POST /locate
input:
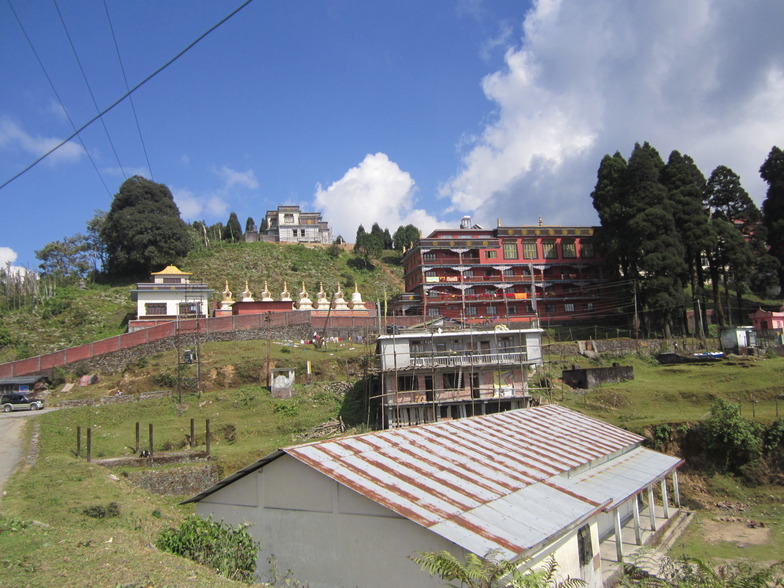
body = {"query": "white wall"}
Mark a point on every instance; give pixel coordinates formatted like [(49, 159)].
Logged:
[(328, 535)]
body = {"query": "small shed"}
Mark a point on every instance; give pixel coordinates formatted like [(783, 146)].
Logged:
[(282, 382), (31, 384), (738, 340)]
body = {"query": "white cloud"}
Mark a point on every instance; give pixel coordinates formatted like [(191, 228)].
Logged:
[(376, 190), (12, 135), (210, 208), (7, 257), (703, 77), (233, 178)]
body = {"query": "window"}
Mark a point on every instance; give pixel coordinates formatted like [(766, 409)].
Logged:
[(491, 255), (530, 250), (451, 380), (509, 273), (568, 307), (470, 291), (586, 249), (430, 274), (584, 545), (569, 249), (433, 312), (407, 383), (429, 256), (589, 306), (172, 280), (468, 274), (471, 311), (288, 219), (510, 250), (504, 342), (548, 249), (188, 308), (512, 309), (492, 310), (549, 307), (152, 308)]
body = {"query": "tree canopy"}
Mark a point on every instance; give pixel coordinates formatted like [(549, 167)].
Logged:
[(143, 230)]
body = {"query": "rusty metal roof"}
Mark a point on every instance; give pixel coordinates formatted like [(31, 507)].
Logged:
[(481, 482), (509, 481)]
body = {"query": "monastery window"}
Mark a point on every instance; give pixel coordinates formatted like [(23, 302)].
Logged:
[(491, 254), (584, 545), (471, 311), (549, 250), (288, 219), (430, 274), (550, 307), (470, 292), (586, 250), (569, 249), (530, 250), (589, 306), (188, 308), (504, 342), (569, 307), (429, 256), (509, 273), (468, 274), (510, 250), (407, 383), (433, 312), (492, 310), (152, 308), (512, 309), (172, 280)]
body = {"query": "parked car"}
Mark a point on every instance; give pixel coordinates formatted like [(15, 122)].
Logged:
[(11, 402)]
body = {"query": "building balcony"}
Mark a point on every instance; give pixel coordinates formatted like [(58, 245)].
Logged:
[(462, 359)]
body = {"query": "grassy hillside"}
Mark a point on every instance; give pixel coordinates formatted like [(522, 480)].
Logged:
[(74, 316)]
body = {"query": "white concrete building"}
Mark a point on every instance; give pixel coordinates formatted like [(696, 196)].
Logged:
[(524, 484), (169, 296), (288, 224), (429, 376)]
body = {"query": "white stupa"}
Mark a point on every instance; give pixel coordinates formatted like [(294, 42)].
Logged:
[(304, 301), (266, 296), (356, 299), (338, 303), (321, 298), (226, 300), (285, 296), (247, 295)]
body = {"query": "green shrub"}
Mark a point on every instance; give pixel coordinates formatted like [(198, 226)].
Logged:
[(230, 551), (99, 511), (165, 379)]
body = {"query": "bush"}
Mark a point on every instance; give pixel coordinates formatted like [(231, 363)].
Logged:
[(99, 511), (231, 552)]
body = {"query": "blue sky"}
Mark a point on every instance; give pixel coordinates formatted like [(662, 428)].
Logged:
[(385, 111)]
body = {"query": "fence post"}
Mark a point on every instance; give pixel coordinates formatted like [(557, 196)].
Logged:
[(151, 438), (207, 433), (89, 444), (137, 438), (78, 442), (193, 433)]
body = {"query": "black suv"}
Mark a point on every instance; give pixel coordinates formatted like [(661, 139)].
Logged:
[(19, 401)]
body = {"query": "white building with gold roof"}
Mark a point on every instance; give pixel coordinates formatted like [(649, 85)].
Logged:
[(170, 295)]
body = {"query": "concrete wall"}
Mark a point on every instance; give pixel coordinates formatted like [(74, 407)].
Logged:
[(592, 377), (327, 535)]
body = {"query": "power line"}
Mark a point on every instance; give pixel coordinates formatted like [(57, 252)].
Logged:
[(127, 87), (59, 100), (89, 88), (124, 96)]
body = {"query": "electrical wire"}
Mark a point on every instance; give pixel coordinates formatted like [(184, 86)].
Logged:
[(126, 95), (89, 88), (59, 101), (127, 87)]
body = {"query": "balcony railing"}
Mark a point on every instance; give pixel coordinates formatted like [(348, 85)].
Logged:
[(467, 359)]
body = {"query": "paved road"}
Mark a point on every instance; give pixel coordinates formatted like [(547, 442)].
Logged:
[(10, 446)]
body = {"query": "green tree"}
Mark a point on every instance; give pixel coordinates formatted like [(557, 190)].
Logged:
[(250, 225), (490, 571), (95, 245), (772, 171), (727, 199), (232, 232), (731, 440), (405, 236), (368, 245), (610, 202), (66, 259), (143, 229)]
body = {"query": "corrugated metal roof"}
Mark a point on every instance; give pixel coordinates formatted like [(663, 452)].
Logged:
[(466, 478), (490, 482)]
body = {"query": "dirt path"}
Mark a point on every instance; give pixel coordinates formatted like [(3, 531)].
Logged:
[(10, 447)]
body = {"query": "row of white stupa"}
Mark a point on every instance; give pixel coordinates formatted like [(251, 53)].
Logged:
[(303, 302)]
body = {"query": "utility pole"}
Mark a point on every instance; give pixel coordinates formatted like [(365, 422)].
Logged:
[(636, 318)]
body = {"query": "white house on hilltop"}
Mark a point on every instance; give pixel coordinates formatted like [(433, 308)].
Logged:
[(525, 484), (169, 296)]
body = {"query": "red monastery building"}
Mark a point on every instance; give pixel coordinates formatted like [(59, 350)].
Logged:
[(539, 273)]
